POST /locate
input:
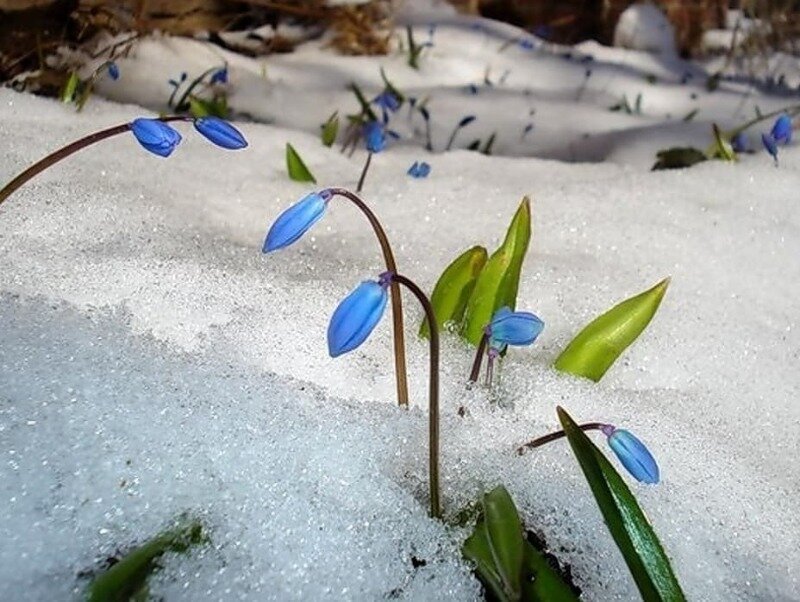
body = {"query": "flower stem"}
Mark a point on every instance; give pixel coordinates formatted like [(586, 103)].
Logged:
[(539, 441), (364, 173), (69, 149), (397, 303), (433, 394), (452, 138), (476, 365)]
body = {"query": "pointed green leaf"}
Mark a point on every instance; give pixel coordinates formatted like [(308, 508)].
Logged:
[(602, 341), (296, 168), (454, 287), (392, 88), (541, 583), (70, 88), (678, 157), (496, 546), (632, 532), (127, 579), (720, 148), (330, 129), (498, 283)]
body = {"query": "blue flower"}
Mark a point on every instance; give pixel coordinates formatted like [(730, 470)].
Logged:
[(220, 76), (220, 132), (375, 136), (387, 101), (739, 143), (419, 170), (526, 44), (155, 136), (296, 221), (769, 143), (113, 70), (357, 316), (782, 129), (513, 328), (633, 454)]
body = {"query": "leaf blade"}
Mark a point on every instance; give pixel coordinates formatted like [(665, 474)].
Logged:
[(330, 129), (632, 532), (296, 167), (504, 533), (598, 345)]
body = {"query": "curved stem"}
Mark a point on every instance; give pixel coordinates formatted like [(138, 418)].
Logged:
[(452, 138), (791, 111), (364, 173), (476, 365), (539, 441), (433, 394), (69, 149), (397, 303)]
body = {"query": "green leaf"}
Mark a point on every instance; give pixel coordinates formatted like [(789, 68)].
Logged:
[(678, 157), (690, 115), (70, 88), (362, 100), (454, 287), (487, 148), (496, 546), (632, 532), (509, 566), (498, 283), (721, 148), (392, 88), (296, 168), (602, 341), (127, 579), (330, 129)]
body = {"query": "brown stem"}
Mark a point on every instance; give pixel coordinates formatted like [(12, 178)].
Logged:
[(397, 303), (364, 173), (539, 441), (66, 151), (476, 365), (433, 394)]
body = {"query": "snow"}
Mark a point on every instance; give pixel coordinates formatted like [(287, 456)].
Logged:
[(645, 27), (155, 362)]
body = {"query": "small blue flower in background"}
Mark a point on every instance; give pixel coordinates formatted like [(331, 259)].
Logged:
[(155, 136), (769, 143), (388, 103), (296, 220), (513, 328), (374, 136), (633, 454), (220, 76), (220, 132), (420, 169), (357, 315), (526, 44), (739, 143), (782, 129), (113, 70)]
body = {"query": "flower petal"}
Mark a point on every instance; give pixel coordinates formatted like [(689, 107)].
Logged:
[(356, 317), (635, 457), (782, 129), (514, 327), (220, 132), (294, 222), (155, 136)]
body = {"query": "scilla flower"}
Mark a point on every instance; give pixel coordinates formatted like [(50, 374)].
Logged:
[(220, 132), (220, 76), (113, 70), (782, 129), (357, 315), (296, 220), (769, 143), (633, 454), (155, 136), (739, 143), (513, 328), (420, 169), (374, 136)]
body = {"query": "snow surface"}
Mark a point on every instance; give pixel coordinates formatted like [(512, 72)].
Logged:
[(645, 27), (155, 362)]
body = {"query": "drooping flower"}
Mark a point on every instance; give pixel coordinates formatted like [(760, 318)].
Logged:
[(420, 169), (388, 103), (633, 454), (357, 315), (769, 143), (782, 129), (113, 70), (155, 136), (220, 76), (739, 143), (513, 328), (296, 221), (220, 132), (374, 136)]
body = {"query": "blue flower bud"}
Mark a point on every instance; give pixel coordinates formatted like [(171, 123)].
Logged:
[(513, 328), (296, 221), (769, 143), (782, 129), (374, 136), (387, 101), (113, 70), (220, 132), (220, 76), (739, 143), (633, 454), (420, 169), (155, 136), (357, 316)]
